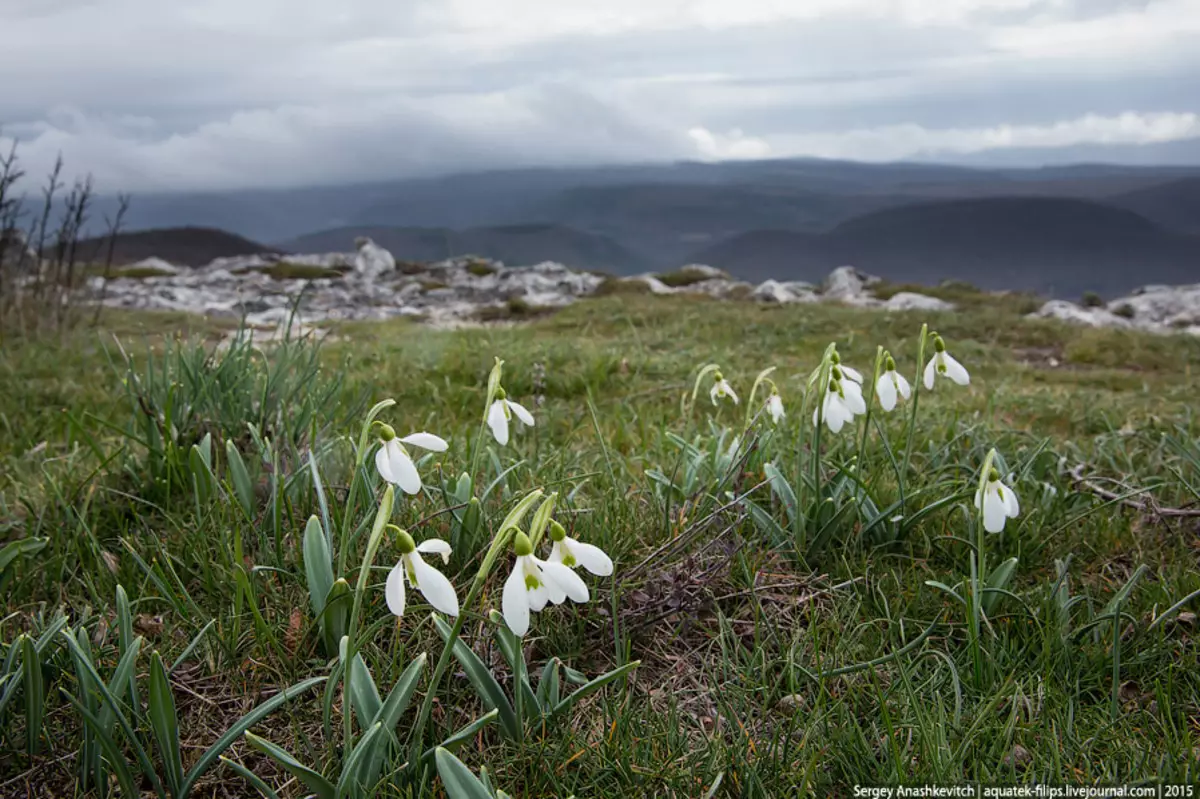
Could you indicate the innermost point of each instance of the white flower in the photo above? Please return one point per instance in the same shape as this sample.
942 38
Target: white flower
944 365
572 553
395 464
775 407
834 410
854 375
535 582
500 412
429 581
852 395
999 503
721 389
890 384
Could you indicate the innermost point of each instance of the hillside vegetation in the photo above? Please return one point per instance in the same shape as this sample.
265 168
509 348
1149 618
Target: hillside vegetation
789 611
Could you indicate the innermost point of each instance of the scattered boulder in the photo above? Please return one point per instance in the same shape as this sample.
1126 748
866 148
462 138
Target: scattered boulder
1076 314
773 291
847 284
372 260
911 301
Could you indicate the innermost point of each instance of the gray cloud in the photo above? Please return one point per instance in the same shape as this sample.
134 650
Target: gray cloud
224 93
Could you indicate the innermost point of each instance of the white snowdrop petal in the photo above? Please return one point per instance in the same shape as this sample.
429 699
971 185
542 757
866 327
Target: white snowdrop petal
885 389
514 603
426 441
524 415
851 373
993 511
394 589
902 385
955 370
592 558
930 370
1013 506
382 464
403 468
570 583
436 546
497 420
434 586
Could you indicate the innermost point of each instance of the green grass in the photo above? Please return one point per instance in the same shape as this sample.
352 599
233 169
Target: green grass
741 621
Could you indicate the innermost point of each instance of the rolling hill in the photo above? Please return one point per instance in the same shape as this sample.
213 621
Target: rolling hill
1055 246
185 246
512 244
1174 205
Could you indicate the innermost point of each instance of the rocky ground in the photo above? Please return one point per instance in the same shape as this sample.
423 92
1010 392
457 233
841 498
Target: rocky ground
267 290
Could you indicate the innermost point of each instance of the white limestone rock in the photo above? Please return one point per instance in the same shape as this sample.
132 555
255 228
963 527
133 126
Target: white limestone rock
1076 314
911 301
847 284
773 291
373 261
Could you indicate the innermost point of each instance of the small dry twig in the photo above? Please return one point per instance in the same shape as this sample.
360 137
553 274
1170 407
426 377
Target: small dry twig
1147 505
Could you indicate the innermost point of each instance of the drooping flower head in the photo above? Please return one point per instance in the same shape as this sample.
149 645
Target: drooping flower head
432 584
835 409
572 553
501 412
395 464
998 503
721 389
535 582
890 385
775 405
942 364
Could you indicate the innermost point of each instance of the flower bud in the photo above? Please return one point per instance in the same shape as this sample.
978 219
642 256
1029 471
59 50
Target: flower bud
404 541
522 545
557 533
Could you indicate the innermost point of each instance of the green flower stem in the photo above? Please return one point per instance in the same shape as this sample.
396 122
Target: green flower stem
382 515
360 458
912 419
869 398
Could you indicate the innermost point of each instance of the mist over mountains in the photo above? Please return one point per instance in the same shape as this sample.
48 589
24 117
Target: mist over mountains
1058 230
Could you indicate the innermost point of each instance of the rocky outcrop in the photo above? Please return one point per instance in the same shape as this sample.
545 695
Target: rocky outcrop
1156 309
273 290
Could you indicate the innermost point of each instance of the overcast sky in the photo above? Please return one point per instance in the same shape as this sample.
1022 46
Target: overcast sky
180 94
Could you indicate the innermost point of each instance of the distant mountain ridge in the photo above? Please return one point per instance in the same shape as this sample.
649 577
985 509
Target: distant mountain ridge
1054 246
184 246
1051 229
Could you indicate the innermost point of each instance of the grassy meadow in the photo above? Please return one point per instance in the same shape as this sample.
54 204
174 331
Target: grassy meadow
807 611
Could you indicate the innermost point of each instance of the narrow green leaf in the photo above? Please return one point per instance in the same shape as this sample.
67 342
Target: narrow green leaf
249 776
463 735
998 581
242 487
318 564
782 489
364 696
510 649
483 682
401 695
114 755
320 786
164 723
352 769
246 722
593 686
457 779
35 698
548 685
20 548
191 647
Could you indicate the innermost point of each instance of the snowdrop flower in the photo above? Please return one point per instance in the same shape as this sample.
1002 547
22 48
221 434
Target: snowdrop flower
499 414
943 364
721 389
999 503
420 575
535 582
834 409
572 553
395 464
775 406
891 383
850 390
